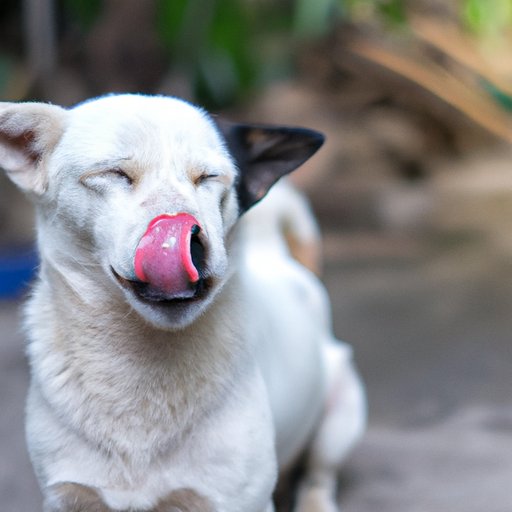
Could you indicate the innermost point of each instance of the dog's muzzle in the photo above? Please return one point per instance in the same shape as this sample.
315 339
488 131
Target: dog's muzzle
169 257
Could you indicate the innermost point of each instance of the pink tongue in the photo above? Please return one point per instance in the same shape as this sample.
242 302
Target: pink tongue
163 258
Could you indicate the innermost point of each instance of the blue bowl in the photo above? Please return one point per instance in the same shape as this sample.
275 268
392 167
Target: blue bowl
17 269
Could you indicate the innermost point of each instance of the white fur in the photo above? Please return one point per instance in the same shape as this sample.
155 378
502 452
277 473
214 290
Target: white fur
137 401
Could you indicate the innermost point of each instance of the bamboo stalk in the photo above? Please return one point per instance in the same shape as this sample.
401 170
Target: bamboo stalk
459 47
439 82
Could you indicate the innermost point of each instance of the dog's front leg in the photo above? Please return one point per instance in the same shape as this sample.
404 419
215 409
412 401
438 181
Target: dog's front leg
70 497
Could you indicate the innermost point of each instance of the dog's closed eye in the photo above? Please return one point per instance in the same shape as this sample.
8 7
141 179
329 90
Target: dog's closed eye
119 173
202 178
99 180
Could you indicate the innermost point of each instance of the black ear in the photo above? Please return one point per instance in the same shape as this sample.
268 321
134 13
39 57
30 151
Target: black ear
264 154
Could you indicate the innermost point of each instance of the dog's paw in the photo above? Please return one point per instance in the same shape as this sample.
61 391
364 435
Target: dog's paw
315 499
70 497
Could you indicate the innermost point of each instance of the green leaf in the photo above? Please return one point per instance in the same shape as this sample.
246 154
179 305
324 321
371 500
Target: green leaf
170 19
487 16
393 11
84 11
313 17
501 97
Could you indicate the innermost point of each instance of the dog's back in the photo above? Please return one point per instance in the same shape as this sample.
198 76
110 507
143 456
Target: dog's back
293 306
283 225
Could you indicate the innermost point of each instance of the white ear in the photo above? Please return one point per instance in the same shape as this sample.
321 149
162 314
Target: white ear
28 134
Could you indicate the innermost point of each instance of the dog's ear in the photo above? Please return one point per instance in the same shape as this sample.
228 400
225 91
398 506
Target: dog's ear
264 154
28 133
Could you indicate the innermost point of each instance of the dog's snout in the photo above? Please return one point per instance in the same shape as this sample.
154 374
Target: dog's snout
170 255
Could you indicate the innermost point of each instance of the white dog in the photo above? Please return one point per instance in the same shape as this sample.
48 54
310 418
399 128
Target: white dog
179 358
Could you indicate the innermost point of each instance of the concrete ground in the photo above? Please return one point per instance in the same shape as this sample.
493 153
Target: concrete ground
429 319
431 328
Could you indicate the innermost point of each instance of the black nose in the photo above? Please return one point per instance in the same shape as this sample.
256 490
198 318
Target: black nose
197 251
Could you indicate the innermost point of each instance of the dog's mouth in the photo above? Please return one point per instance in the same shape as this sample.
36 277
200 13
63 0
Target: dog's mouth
147 293
170 262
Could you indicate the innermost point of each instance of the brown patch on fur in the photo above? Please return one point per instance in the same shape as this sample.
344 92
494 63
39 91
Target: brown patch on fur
185 500
70 497
307 254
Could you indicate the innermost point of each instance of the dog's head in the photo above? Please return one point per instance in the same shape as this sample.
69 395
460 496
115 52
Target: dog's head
144 191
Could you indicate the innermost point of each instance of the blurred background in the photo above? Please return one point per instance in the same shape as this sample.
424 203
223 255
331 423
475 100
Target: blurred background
413 191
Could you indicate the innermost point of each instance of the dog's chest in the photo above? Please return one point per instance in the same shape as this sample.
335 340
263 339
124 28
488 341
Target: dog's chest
127 392
133 411
226 455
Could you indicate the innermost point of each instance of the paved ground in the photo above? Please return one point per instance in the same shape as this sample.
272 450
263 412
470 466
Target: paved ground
18 488
430 323
431 331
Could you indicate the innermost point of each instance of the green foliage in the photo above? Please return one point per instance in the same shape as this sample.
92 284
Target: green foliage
229 47
210 42
171 16
84 12
314 18
503 99
391 12
226 48
487 17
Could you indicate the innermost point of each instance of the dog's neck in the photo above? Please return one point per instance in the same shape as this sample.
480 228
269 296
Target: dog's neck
95 314
124 368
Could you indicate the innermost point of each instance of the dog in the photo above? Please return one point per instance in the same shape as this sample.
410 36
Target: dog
180 358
